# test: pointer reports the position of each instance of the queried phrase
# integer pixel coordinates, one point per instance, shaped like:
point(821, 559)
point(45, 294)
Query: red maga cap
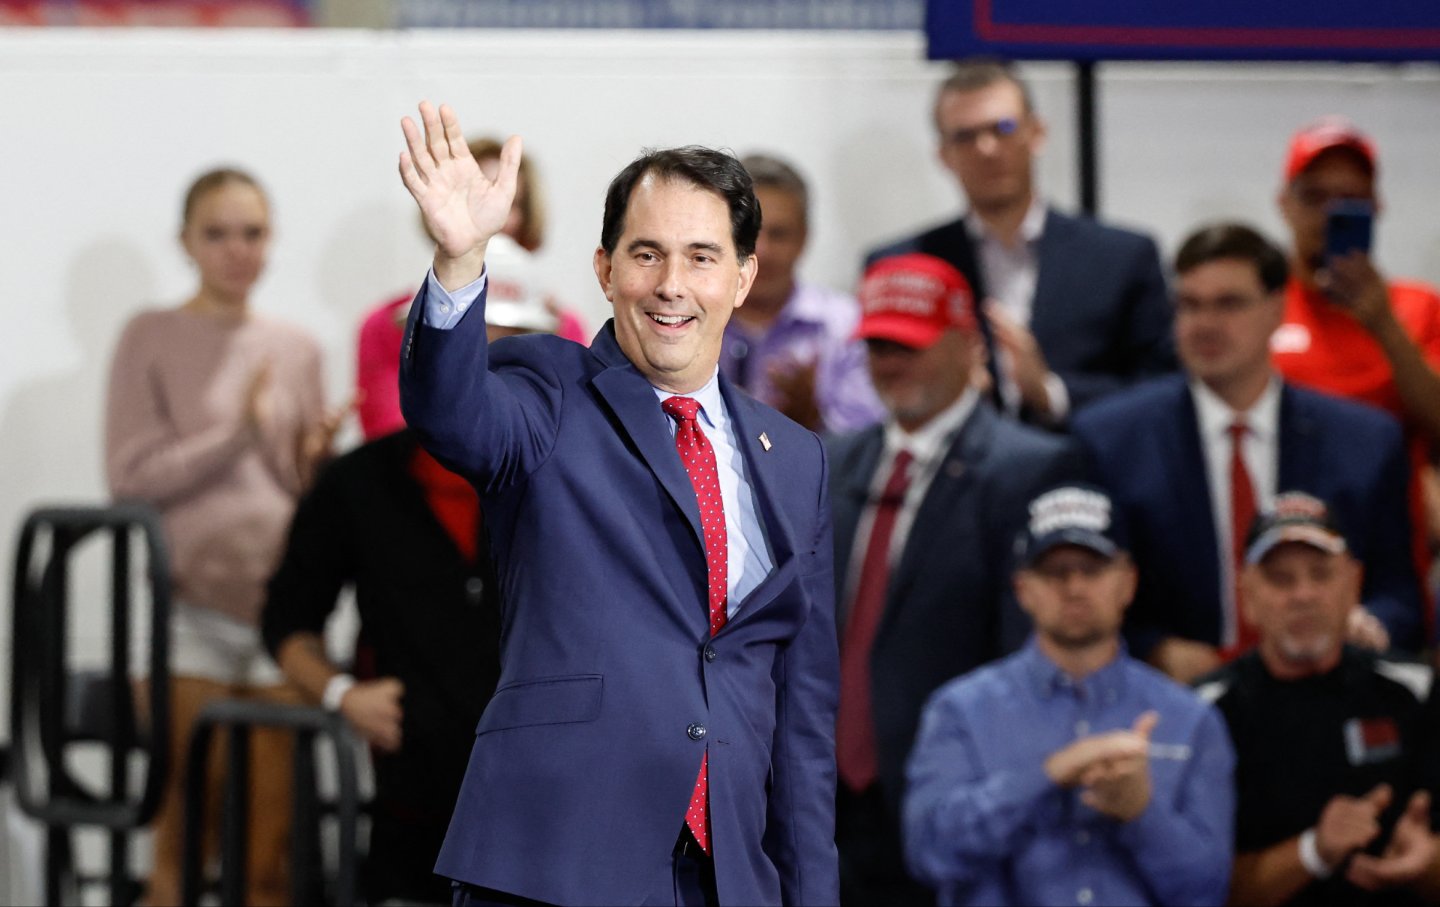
point(1322, 135)
point(913, 299)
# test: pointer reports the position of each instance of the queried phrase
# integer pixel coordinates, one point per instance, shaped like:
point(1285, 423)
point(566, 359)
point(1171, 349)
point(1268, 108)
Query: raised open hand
point(461, 208)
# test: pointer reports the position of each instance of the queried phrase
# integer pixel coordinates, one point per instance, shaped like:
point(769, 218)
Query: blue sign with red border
point(1294, 30)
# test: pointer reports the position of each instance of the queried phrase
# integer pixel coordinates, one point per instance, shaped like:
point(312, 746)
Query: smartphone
point(1348, 227)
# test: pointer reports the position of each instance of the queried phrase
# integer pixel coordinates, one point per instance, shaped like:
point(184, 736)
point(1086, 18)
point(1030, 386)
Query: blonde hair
point(211, 180)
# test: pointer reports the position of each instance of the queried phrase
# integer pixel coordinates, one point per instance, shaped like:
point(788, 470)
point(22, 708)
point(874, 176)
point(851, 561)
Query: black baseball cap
point(1079, 515)
point(1296, 517)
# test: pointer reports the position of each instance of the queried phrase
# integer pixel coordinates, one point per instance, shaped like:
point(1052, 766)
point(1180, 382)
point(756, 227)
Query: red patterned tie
point(855, 730)
point(699, 459)
point(1242, 514)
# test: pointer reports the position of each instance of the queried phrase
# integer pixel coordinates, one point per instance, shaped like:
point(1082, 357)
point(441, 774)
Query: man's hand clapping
point(1112, 768)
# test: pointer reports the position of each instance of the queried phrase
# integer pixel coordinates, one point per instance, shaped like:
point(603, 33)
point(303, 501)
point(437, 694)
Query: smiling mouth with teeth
point(671, 320)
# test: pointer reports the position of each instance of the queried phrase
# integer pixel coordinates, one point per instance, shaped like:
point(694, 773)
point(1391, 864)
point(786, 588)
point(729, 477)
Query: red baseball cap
point(912, 299)
point(1322, 135)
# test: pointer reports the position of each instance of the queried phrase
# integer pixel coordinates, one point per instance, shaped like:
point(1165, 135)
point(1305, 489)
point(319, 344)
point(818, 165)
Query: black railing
point(52, 709)
point(239, 718)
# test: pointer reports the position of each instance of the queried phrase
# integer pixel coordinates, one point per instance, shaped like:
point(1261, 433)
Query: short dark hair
point(706, 168)
point(975, 73)
point(775, 173)
point(1239, 242)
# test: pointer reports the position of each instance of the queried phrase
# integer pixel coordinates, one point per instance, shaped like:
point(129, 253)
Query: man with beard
point(926, 506)
point(1071, 773)
point(1335, 746)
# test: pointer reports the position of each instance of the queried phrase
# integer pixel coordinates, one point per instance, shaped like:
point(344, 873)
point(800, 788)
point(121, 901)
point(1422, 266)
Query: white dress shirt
point(1261, 452)
point(748, 559)
point(1011, 275)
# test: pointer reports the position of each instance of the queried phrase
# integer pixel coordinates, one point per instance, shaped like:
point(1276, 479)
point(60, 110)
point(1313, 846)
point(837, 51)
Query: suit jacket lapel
point(852, 489)
point(1196, 516)
point(632, 400)
point(951, 482)
point(1051, 276)
point(1295, 431)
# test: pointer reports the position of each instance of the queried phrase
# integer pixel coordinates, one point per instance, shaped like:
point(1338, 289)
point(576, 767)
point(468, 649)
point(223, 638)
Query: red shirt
point(1320, 346)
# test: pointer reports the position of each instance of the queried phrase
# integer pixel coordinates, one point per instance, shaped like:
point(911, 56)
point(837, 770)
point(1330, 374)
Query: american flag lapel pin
point(764, 441)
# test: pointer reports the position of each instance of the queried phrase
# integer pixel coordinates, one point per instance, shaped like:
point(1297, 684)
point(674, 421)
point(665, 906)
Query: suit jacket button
point(696, 731)
point(711, 654)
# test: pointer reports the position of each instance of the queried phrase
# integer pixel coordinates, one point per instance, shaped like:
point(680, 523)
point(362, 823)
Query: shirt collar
point(1105, 685)
point(1216, 416)
point(712, 404)
point(931, 439)
point(1031, 228)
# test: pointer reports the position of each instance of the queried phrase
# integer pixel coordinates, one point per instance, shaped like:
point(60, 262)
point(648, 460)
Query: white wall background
point(101, 131)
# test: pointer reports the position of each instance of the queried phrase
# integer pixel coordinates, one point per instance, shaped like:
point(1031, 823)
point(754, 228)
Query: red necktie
point(1242, 514)
point(699, 459)
point(855, 755)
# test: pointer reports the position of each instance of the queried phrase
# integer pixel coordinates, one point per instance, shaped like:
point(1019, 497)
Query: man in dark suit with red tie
point(927, 507)
point(663, 729)
point(1191, 458)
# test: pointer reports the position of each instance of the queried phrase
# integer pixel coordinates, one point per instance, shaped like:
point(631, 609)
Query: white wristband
point(1310, 856)
point(335, 691)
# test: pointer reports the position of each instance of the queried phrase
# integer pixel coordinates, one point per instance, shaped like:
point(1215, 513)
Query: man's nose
point(671, 283)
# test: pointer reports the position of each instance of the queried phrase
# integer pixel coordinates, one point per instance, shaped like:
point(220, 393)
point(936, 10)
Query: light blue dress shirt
point(749, 560)
point(984, 824)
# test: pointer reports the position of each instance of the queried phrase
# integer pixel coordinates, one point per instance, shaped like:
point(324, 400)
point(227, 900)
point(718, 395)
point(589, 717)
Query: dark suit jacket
point(950, 607)
point(1145, 446)
point(1101, 312)
point(611, 687)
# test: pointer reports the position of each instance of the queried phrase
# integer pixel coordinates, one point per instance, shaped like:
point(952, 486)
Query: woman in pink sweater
point(215, 417)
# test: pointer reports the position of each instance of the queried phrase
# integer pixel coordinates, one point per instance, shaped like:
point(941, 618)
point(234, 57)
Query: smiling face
point(227, 235)
point(673, 280)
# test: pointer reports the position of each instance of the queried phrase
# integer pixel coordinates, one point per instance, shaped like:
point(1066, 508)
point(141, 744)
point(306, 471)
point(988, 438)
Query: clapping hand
point(461, 208)
point(1412, 851)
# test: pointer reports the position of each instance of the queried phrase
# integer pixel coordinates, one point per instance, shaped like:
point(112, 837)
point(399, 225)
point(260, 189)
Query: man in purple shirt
point(1071, 773)
point(791, 344)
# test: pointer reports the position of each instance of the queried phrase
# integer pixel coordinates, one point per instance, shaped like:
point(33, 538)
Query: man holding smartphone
point(1347, 330)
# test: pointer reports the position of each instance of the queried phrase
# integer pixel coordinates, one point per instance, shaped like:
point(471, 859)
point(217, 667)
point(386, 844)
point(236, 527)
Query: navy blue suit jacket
point(1101, 313)
point(950, 606)
point(611, 687)
point(1145, 446)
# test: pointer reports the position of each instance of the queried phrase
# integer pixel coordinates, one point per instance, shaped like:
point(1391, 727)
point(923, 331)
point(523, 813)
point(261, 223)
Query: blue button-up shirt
point(984, 824)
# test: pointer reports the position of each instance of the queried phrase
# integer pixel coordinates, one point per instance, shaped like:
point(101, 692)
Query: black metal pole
point(1086, 137)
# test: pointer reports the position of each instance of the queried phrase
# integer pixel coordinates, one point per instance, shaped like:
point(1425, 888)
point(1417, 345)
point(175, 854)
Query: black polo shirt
point(1370, 720)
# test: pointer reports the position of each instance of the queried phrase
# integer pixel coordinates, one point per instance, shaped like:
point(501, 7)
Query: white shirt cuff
point(335, 691)
point(444, 309)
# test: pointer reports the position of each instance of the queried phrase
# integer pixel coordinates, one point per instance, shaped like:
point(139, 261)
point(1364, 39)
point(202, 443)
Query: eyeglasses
point(999, 130)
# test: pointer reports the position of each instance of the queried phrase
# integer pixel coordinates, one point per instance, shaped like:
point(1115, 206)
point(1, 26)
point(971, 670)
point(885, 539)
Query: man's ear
point(748, 269)
point(602, 271)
